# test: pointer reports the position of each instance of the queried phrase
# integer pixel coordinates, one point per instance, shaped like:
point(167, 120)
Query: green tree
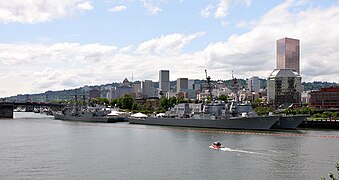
point(317, 115)
point(288, 111)
point(223, 97)
point(326, 114)
point(181, 100)
point(100, 101)
point(256, 102)
point(263, 110)
point(114, 102)
point(165, 103)
point(172, 101)
point(126, 102)
point(103, 101)
point(335, 114)
point(136, 106)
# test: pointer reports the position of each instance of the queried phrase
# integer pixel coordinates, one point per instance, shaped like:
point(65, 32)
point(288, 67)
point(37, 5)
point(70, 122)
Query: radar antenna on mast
point(208, 78)
point(235, 87)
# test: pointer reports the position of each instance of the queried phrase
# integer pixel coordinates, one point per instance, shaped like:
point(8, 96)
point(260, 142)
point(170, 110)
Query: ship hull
point(88, 119)
point(289, 122)
point(249, 123)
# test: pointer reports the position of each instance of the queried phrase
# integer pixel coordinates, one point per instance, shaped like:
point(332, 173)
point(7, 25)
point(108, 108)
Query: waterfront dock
point(320, 124)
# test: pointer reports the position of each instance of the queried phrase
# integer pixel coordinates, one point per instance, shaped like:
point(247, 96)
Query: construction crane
point(208, 78)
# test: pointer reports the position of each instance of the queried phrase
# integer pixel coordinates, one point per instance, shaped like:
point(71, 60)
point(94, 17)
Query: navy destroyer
point(216, 114)
point(213, 115)
point(284, 122)
point(86, 114)
point(289, 121)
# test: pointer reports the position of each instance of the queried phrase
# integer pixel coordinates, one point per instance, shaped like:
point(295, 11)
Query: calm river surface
point(34, 146)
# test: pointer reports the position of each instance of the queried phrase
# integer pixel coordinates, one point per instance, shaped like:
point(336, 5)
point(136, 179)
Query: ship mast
point(235, 87)
point(208, 78)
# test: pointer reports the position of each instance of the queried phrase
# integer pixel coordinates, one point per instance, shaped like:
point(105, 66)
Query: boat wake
point(240, 151)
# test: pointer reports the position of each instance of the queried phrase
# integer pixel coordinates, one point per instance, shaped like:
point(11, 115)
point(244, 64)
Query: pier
point(320, 124)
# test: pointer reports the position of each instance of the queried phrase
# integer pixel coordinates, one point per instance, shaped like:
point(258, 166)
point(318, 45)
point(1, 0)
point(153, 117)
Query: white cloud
point(37, 11)
point(225, 23)
point(206, 11)
point(165, 45)
point(255, 50)
point(85, 6)
point(222, 7)
point(247, 24)
point(27, 68)
point(67, 65)
point(152, 8)
point(118, 8)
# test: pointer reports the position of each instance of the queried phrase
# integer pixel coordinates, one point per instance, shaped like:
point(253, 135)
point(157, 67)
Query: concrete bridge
point(7, 108)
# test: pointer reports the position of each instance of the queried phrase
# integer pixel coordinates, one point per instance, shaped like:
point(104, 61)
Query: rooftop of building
point(330, 89)
point(284, 73)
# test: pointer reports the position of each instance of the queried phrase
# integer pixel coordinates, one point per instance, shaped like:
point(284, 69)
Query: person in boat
point(216, 144)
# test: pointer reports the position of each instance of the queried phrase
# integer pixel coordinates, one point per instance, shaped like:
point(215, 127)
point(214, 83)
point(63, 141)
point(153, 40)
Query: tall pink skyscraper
point(288, 54)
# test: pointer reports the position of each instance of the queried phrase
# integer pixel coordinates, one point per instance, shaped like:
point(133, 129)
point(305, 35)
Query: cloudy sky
point(63, 44)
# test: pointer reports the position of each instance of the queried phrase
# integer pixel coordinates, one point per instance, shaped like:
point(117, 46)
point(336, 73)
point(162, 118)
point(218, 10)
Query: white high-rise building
point(253, 84)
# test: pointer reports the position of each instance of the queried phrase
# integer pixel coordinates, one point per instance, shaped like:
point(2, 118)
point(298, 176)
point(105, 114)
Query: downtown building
point(288, 54)
point(147, 89)
point(164, 81)
point(119, 91)
point(182, 85)
point(325, 98)
point(284, 83)
point(284, 86)
point(253, 84)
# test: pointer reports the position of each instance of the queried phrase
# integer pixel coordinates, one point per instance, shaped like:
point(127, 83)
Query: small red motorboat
point(216, 145)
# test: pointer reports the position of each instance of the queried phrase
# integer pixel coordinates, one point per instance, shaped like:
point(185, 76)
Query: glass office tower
point(288, 54)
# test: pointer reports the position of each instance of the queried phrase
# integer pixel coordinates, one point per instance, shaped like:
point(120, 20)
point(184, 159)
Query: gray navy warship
point(86, 114)
point(216, 114)
point(213, 115)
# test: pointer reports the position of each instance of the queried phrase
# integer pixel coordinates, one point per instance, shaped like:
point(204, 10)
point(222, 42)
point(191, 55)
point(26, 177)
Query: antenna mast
point(132, 76)
point(208, 78)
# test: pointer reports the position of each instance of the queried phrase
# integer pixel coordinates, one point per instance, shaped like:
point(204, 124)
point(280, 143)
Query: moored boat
point(86, 115)
point(213, 115)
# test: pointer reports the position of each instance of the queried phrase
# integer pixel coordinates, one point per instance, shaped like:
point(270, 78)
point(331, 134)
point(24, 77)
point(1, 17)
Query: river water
point(35, 146)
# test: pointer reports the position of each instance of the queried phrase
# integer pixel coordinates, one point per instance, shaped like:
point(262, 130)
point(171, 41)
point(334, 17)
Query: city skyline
point(69, 44)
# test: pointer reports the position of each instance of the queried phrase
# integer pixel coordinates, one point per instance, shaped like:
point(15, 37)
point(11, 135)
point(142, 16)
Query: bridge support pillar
point(6, 110)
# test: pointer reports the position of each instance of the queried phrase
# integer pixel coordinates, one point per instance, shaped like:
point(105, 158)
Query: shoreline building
point(288, 54)
point(325, 98)
point(284, 86)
